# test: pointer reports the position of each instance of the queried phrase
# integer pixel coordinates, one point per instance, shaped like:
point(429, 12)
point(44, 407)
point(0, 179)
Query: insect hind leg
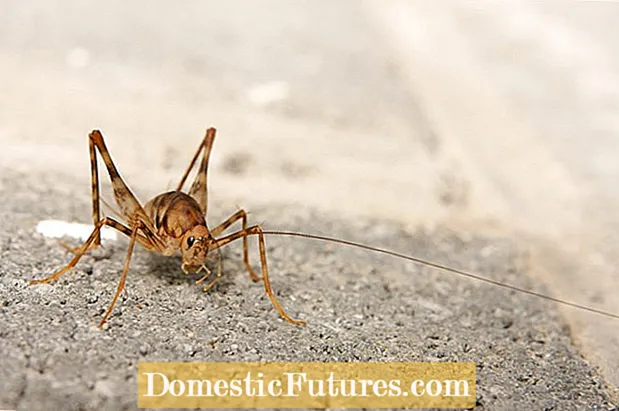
point(199, 188)
point(128, 204)
point(126, 200)
point(94, 182)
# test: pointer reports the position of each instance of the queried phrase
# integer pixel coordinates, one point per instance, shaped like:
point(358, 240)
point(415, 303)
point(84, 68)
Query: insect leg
point(82, 250)
point(96, 209)
point(128, 204)
point(208, 274)
point(239, 215)
point(142, 239)
point(211, 284)
point(94, 182)
point(257, 230)
point(123, 278)
point(199, 188)
point(181, 183)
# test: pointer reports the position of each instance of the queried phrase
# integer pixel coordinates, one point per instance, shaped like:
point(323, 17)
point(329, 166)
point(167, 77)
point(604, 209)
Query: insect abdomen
point(175, 213)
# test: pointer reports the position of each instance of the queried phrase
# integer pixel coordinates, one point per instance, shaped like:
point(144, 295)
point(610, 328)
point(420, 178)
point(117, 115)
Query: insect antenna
point(461, 273)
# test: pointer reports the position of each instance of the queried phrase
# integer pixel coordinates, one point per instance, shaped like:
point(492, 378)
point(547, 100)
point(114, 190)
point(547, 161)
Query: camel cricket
point(176, 220)
point(169, 222)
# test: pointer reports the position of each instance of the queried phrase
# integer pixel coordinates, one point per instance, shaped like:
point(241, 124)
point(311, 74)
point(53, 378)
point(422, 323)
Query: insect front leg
point(82, 250)
point(257, 230)
point(123, 277)
point(239, 215)
point(208, 273)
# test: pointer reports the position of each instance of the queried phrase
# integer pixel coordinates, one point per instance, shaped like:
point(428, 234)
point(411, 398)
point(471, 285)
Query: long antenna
point(442, 267)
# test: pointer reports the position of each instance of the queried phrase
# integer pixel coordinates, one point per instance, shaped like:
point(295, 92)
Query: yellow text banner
point(305, 385)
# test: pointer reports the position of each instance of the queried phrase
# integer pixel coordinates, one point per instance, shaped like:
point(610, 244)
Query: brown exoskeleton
point(169, 222)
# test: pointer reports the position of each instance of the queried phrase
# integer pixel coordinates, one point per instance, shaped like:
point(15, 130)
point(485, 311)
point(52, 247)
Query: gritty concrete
point(320, 129)
point(359, 307)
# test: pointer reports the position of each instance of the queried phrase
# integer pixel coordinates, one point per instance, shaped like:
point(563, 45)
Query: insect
point(169, 222)
point(176, 221)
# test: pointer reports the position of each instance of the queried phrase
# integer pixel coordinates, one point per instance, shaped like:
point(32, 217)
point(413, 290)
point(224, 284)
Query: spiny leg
point(239, 215)
point(82, 250)
point(199, 188)
point(257, 230)
point(123, 278)
point(128, 204)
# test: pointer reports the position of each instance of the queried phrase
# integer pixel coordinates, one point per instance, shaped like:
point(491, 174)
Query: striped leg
point(199, 188)
point(128, 204)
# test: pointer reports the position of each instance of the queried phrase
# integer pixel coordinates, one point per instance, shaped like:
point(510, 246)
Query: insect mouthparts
point(185, 268)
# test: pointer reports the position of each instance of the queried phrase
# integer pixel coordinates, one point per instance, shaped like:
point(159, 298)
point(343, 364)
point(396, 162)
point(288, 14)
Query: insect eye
point(190, 241)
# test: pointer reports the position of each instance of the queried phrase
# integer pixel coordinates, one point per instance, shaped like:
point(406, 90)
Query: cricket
point(175, 221)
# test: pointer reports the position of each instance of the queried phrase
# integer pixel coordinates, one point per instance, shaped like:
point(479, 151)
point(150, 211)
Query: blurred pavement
point(478, 135)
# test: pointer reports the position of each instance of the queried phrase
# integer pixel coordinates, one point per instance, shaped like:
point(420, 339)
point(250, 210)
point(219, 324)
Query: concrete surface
point(359, 307)
point(525, 96)
point(330, 120)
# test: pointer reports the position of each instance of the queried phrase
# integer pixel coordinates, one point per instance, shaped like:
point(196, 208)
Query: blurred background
point(490, 118)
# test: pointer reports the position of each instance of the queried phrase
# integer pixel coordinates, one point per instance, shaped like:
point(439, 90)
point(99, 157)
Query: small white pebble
point(59, 228)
